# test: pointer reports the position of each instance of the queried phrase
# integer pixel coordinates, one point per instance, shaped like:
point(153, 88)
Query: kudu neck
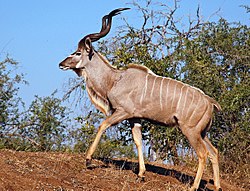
point(100, 74)
point(100, 63)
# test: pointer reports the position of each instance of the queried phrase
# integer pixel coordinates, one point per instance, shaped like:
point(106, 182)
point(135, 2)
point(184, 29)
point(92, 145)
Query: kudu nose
point(62, 66)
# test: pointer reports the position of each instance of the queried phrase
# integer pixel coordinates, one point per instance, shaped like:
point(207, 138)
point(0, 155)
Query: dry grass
point(63, 171)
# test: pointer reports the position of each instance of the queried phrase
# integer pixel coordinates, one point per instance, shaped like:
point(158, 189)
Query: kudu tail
point(216, 105)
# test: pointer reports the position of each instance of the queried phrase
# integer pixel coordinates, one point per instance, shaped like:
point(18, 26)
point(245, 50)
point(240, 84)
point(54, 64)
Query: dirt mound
point(64, 171)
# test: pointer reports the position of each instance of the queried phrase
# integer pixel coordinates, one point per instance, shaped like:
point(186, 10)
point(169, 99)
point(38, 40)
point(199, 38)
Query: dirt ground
point(67, 172)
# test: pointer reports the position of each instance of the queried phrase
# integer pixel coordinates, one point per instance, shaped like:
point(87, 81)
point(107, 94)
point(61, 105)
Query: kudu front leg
point(115, 118)
point(93, 146)
point(137, 136)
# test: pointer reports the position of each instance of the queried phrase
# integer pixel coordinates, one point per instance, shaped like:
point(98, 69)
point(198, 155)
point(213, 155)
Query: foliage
point(10, 102)
point(45, 124)
point(224, 49)
point(41, 127)
point(213, 56)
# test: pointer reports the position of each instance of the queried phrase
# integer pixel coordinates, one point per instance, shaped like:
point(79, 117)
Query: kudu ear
point(88, 47)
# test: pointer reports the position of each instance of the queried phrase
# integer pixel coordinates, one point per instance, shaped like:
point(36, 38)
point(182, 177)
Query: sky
point(40, 34)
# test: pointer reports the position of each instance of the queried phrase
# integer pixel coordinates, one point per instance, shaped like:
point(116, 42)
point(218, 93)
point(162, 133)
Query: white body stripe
point(144, 89)
point(167, 90)
point(172, 104)
point(184, 104)
point(161, 92)
point(177, 106)
point(152, 90)
point(190, 117)
point(188, 109)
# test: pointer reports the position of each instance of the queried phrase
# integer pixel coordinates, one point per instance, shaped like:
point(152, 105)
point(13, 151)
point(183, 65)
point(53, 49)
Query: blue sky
point(39, 34)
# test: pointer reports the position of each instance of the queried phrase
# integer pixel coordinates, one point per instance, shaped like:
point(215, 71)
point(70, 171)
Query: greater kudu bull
point(137, 93)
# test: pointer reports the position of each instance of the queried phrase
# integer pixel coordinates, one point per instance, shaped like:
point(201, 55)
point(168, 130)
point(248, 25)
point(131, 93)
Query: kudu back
point(137, 93)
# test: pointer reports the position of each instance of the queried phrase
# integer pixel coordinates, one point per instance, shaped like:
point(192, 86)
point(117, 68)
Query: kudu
point(137, 93)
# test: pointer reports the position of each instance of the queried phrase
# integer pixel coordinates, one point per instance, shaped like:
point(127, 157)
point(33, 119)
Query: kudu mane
point(131, 65)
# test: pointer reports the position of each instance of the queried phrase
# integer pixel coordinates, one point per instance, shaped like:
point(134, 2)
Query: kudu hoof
point(193, 189)
point(89, 165)
point(140, 179)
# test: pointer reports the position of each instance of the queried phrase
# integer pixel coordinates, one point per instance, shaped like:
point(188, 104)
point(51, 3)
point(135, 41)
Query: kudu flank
point(137, 93)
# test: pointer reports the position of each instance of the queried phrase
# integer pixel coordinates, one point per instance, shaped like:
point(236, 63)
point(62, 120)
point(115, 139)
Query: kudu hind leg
point(213, 156)
point(137, 136)
point(199, 146)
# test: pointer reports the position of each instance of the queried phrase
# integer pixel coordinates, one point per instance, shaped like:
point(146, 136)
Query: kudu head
point(82, 56)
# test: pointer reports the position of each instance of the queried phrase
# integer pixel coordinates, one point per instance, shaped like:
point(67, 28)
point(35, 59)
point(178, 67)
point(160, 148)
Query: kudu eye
point(78, 54)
